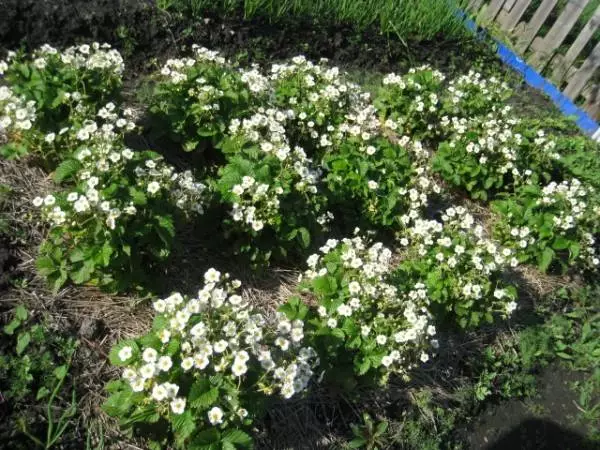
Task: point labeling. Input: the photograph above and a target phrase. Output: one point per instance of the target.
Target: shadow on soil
(538, 434)
(545, 422)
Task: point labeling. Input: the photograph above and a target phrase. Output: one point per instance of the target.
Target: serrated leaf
(324, 285)
(60, 372)
(147, 414)
(225, 445)
(237, 437)
(364, 366)
(546, 259)
(560, 243)
(22, 342)
(183, 425)
(304, 237)
(66, 170)
(206, 399)
(45, 266)
(202, 394)
(21, 313)
(119, 403)
(42, 392)
(138, 197)
(84, 273)
(209, 436)
(12, 326)
(166, 223)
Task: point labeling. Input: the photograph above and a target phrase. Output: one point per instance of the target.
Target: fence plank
(583, 75)
(534, 25)
(492, 10)
(508, 18)
(592, 101)
(544, 48)
(474, 5)
(561, 66)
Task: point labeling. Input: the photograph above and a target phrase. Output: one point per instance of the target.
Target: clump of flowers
(473, 94)
(51, 78)
(409, 104)
(321, 98)
(196, 98)
(17, 117)
(270, 184)
(208, 364)
(552, 225)
(487, 154)
(460, 267)
(116, 219)
(381, 182)
(360, 320)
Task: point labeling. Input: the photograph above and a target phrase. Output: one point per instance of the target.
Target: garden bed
(90, 288)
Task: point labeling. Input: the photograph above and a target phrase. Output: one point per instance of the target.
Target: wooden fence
(572, 68)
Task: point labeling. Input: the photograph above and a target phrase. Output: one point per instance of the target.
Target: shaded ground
(546, 421)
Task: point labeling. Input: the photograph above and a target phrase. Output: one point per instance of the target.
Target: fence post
(585, 72)
(563, 63)
(508, 19)
(545, 47)
(534, 25)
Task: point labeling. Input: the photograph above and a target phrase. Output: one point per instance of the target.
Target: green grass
(407, 19)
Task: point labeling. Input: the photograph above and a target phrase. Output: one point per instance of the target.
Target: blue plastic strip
(535, 80)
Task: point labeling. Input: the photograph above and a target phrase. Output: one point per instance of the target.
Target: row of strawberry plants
(283, 156)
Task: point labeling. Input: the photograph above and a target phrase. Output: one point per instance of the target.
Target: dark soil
(545, 422)
(144, 32)
(8, 261)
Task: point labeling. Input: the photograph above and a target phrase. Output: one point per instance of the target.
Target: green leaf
(105, 254)
(42, 392)
(563, 355)
(364, 366)
(294, 308)
(22, 342)
(147, 414)
(166, 223)
(66, 170)
(226, 445)
(21, 313)
(575, 249)
(77, 255)
(12, 326)
(358, 442)
(119, 403)
(381, 428)
(191, 144)
(60, 372)
(237, 437)
(207, 437)
(324, 285)
(45, 266)
(60, 280)
(560, 243)
(84, 273)
(546, 259)
(183, 425)
(304, 237)
(138, 197)
(202, 395)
